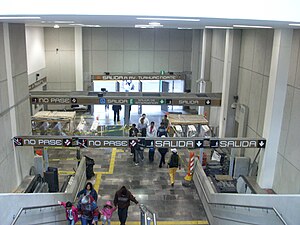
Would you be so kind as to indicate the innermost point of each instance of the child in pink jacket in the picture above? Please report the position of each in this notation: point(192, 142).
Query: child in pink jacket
point(71, 212)
point(107, 212)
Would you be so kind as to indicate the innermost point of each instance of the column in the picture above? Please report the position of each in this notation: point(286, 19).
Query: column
point(204, 82)
point(230, 82)
point(277, 88)
point(78, 59)
point(195, 60)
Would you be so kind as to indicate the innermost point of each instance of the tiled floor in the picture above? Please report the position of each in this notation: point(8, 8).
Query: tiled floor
point(148, 183)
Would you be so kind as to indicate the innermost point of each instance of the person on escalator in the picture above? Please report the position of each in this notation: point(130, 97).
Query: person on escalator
point(71, 212)
point(88, 190)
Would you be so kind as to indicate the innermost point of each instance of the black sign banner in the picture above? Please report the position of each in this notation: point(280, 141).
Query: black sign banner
point(121, 142)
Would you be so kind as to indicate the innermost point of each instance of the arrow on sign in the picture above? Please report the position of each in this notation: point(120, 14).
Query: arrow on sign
point(199, 143)
point(207, 102)
point(74, 100)
point(169, 101)
point(34, 100)
point(162, 101)
point(131, 101)
point(214, 143)
point(261, 143)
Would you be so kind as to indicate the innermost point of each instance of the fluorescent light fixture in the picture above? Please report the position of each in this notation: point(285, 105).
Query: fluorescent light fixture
point(91, 25)
point(76, 24)
point(184, 28)
point(20, 18)
point(250, 26)
point(147, 26)
point(295, 24)
point(143, 26)
point(171, 19)
point(217, 27)
point(154, 24)
point(56, 26)
point(61, 21)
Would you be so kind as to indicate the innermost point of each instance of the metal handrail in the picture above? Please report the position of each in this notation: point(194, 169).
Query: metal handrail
point(236, 205)
point(16, 217)
point(145, 220)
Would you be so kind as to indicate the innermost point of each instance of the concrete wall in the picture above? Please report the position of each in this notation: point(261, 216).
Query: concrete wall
point(288, 168)
point(254, 69)
point(14, 105)
point(216, 70)
point(60, 58)
point(135, 50)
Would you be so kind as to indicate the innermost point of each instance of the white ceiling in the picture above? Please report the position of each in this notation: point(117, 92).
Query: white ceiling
point(123, 13)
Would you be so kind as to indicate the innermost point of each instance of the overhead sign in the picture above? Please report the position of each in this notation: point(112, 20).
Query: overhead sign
point(87, 98)
point(96, 142)
point(139, 77)
point(52, 100)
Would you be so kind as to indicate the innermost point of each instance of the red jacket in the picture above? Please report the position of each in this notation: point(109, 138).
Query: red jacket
point(74, 212)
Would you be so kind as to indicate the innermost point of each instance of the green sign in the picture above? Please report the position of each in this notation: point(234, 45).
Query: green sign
point(162, 101)
point(131, 101)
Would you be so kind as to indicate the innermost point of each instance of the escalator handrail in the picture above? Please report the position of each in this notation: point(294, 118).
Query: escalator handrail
point(236, 205)
point(16, 217)
point(144, 210)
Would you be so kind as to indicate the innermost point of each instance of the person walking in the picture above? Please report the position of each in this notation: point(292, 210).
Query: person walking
point(133, 131)
point(88, 190)
point(146, 121)
point(162, 131)
point(142, 126)
point(151, 132)
point(122, 201)
point(174, 164)
point(107, 212)
point(166, 121)
point(163, 152)
point(88, 210)
point(71, 212)
point(116, 109)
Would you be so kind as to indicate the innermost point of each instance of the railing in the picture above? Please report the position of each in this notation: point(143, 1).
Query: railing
point(147, 216)
point(232, 212)
point(17, 216)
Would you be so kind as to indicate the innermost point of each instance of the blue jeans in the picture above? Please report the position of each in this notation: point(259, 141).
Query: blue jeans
point(71, 222)
point(86, 221)
point(104, 219)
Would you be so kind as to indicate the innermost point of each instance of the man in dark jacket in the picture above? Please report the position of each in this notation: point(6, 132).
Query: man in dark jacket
point(116, 109)
point(122, 200)
point(174, 164)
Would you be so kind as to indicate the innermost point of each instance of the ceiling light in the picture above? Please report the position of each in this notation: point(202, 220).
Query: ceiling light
point(61, 21)
point(76, 24)
point(217, 27)
point(250, 26)
point(184, 28)
point(295, 24)
point(171, 19)
point(91, 25)
point(154, 24)
point(143, 26)
point(56, 26)
point(20, 18)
